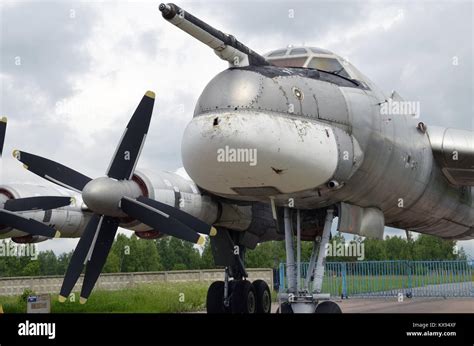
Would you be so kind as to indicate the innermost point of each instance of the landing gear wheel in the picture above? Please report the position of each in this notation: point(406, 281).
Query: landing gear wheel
point(328, 307)
point(215, 298)
point(285, 308)
point(243, 299)
point(263, 297)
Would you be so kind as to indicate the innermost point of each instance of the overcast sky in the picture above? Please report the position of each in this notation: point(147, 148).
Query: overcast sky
point(73, 72)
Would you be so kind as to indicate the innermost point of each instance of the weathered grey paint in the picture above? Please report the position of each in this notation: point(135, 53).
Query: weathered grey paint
point(391, 164)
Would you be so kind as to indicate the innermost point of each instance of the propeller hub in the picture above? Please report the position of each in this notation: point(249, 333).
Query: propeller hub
point(103, 195)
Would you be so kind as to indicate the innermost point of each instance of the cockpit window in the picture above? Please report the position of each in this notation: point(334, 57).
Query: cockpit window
point(289, 62)
point(278, 53)
point(319, 50)
point(329, 65)
point(298, 51)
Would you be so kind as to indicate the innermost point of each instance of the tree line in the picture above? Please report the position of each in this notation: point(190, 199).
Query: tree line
point(131, 254)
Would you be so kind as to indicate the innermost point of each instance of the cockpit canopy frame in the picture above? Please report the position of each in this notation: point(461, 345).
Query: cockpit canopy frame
point(313, 57)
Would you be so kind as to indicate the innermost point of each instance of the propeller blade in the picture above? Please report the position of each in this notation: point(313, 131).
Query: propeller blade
point(3, 130)
point(183, 217)
point(159, 220)
point(126, 155)
point(99, 255)
point(52, 171)
point(79, 256)
point(26, 225)
point(34, 203)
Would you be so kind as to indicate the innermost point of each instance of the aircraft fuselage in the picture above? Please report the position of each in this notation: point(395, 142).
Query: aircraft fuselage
point(318, 139)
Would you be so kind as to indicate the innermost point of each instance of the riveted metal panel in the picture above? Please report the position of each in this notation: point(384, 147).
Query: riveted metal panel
point(288, 94)
point(331, 103)
point(345, 160)
point(274, 97)
point(230, 89)
point(236, 89)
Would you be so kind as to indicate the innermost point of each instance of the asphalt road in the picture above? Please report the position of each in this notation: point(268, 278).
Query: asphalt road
point(414, 305)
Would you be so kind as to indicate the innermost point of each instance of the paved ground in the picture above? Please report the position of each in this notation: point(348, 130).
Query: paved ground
point(414, 305)
point(457, 289)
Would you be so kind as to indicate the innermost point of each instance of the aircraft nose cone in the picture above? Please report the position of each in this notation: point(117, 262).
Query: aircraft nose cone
point(258, 153)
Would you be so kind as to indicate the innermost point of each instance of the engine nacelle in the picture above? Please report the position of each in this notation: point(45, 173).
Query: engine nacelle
point(149, 234)
point(174, 190)
point(69, 220)
point(29, 239)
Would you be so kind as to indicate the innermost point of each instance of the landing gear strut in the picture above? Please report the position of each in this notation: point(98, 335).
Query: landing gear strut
point(300, 298)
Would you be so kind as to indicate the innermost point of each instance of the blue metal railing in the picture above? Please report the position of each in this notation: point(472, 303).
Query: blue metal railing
point(390, 278)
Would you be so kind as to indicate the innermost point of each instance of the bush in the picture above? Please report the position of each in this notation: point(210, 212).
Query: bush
point(24, 296)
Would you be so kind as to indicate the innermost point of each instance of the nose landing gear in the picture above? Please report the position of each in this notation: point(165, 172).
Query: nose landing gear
point(297, 299)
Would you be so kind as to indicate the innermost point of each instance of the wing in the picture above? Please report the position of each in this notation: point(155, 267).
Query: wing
point(453, 150)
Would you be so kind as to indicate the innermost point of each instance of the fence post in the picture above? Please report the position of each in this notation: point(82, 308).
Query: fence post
point(344, 283)
point(409, 273)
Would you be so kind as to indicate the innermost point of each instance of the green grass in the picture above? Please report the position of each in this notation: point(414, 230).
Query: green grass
point(153, 298)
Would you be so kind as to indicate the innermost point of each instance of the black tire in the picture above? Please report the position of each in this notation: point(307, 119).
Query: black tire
point(328, 307)
point(243, 300)
point(263, 297)
point(215, 298)
point(285, 308)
